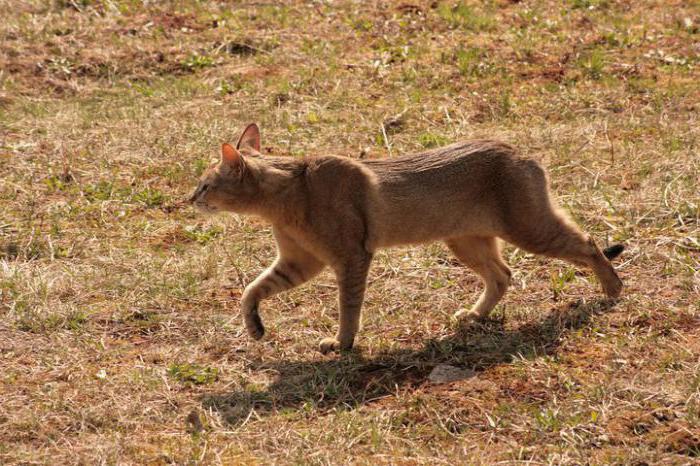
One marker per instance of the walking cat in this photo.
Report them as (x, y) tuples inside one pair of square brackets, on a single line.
[(335, 211)]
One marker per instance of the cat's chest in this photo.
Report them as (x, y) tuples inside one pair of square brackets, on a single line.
[(307, 240)]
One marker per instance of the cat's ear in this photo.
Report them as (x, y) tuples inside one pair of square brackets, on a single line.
[(250, 138), (231, 158)]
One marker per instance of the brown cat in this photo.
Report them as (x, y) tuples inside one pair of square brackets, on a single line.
[(337, 211)]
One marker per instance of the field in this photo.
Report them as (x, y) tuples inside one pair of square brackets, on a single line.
[(120, 336)]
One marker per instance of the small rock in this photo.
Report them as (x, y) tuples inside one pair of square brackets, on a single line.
[(444, 373)]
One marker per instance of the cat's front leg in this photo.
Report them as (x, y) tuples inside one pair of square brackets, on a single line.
[(352, 281), (251, 317), (284, 274)]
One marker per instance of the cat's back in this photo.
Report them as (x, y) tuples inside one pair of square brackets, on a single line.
[(473, 166), (458, 158), (451, 189)]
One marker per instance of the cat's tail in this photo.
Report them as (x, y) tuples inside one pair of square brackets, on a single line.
[(613, 251)]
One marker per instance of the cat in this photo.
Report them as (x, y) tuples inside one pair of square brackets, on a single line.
[(336, 211)]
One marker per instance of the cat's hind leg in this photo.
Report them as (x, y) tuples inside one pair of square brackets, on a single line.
[(483, 255), (293, 267), (569, 243), (532, 222), (552, 234)]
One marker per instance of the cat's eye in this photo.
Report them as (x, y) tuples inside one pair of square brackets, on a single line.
[(204, 188)]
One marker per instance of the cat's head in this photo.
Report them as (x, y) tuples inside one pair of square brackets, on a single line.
[(228, 185)]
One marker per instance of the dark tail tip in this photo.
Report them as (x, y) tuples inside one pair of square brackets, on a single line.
[(613, 251)]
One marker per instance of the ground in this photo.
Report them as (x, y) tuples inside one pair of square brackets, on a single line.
[(121, 341)]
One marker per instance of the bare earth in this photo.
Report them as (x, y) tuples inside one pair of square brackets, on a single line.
[(120, 336)]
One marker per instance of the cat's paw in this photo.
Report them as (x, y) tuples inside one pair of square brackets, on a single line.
[(255, 327), (256, 333), (328, 345), (466, 317)]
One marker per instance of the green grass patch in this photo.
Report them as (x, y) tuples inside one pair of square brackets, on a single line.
[(203, 235), (430, 140), (463, 15), (193, 374)]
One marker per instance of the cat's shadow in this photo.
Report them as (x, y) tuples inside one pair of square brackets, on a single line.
[(352, 380)]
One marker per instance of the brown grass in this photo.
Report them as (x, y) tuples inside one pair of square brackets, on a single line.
[(120, 336)]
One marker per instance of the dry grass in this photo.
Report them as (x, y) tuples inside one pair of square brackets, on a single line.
[(120, 337)]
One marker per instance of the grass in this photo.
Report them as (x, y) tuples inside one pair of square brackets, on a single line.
[(120, 336), (193, 374)]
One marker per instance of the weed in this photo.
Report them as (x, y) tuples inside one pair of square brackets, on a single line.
[(193, 374), (428, 140), (362, 25), (561, 279), (589, 4), (548, 420), (593, 64), (149, 197), (196, 61), (35, 321), (470, 63), (203, 235), (462, 15)]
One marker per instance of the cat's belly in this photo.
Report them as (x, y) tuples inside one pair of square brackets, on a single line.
[(413, 226)]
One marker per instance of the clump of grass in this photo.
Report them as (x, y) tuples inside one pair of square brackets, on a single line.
[(35, 321), (505, 103), (104, 191), (469, 61), (589, 4), (203, 235), (144, 89), (60, 65), (593, 64), (561, 279), (107, 190), (200, 165), (58, 183), (428, 140), (193, 373), (149, 197), (36, 247), (548, 420), (196, 61), (230, 86), (362, 24), (59, 4), (463, 15)]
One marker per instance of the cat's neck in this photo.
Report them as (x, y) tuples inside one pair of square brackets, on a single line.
[(279, 183)]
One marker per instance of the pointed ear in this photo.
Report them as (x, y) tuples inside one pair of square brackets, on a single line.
[(250, 138), (231, 157)]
